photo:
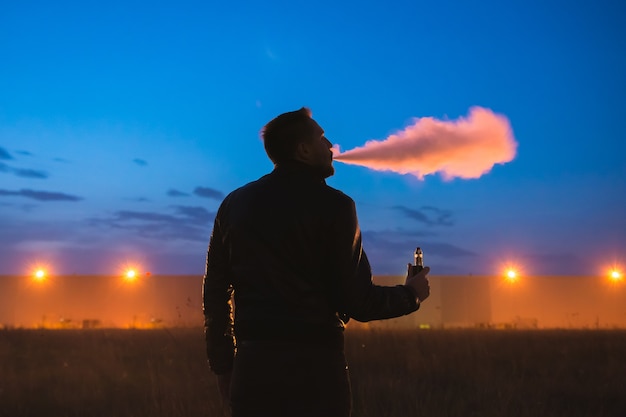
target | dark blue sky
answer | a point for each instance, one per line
(122, 126)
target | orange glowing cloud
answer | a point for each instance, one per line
(464, 148)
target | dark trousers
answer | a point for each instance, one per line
(295, 379)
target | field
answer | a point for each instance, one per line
(431, 373)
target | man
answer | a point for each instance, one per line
(289, 247)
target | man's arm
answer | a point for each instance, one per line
(217, 305)
(359, 297)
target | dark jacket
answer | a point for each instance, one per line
(290, 247)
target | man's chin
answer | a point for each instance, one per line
(328, 171)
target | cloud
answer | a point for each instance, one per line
(15, 231)
(389, 251)
(448, 250)
(29, 173)
(466, 148)
(429, 215)
(208, 193)
(197, 214)
(69, 247)
(22, 172)
(41, 195)
(22, 208)
(126, 215)
(175, 193)
(25, 153)
(4, 154)
(140, 162)
(187, 223)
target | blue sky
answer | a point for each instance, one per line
(122, 126)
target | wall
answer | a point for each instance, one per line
(456, 301)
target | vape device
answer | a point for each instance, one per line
(419, 261)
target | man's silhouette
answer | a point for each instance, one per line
(289, 247)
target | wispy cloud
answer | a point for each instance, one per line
(140, 162)
(23, 172)
(208, 193)
(29, 173)
(176, 193)
(196, 214)
(23, 207)
(389, 251)
(15, 231)
(41, 195)
(428, 215)
(4, 154)
(128, 215)
(25, 153)
(187, 223)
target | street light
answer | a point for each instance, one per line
(39, 274)
(130, 275)
(511, 272)
(511, 275)
(615, 275)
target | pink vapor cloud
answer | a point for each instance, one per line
(465, 148)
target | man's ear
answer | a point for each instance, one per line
(303, 152)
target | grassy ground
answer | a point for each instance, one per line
(394, 373)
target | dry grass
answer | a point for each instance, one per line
(394, 373)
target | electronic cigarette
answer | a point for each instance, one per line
(419, 261)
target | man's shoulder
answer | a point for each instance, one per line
(325, 192)
(337, 195)
(250, 186)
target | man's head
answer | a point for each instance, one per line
(295, 136)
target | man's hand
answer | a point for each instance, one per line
(418, 283)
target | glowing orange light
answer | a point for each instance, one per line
(511, 275)
(616, 275)
(130, 275)
(40, 275)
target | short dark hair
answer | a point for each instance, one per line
(283, 133)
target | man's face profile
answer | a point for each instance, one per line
(319, 150)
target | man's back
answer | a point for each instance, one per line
(278, 234)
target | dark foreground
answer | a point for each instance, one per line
(394, 373)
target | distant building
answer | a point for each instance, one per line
(176, 301)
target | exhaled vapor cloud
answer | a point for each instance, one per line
(465, 148)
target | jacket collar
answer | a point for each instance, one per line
(298, 171)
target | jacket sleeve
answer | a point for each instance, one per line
(217, 305)
(359, 297)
